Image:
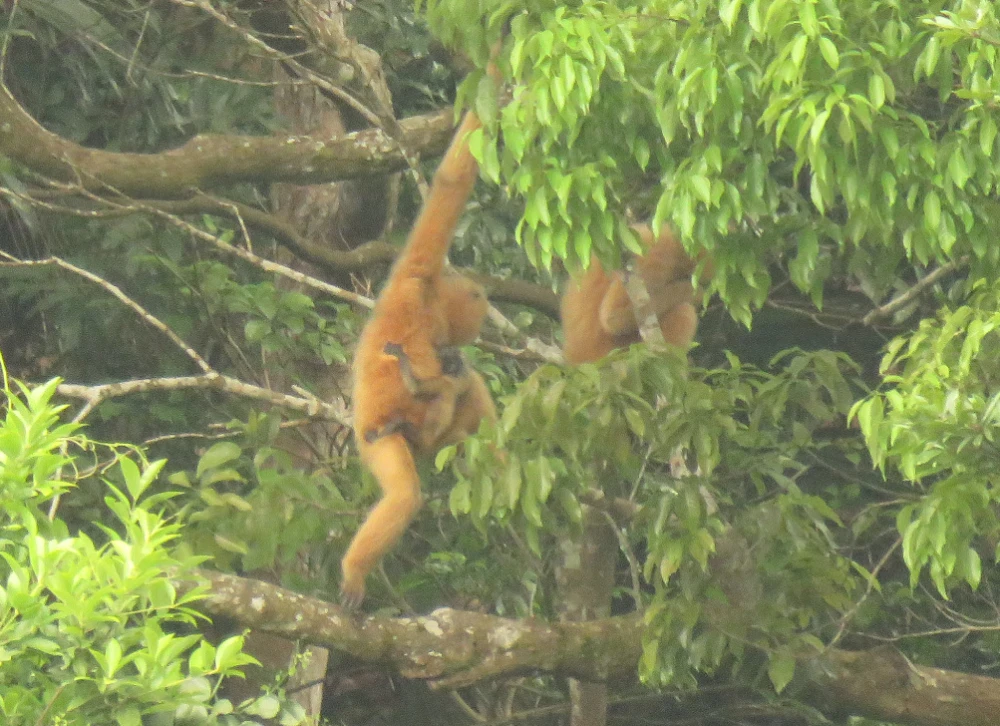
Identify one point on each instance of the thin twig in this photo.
(94, 395)
(151, 319)
(907, 297)
(257, 261)
(868, 591)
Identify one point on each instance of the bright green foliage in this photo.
(570, 435)
(935, 423)
(856, 126)
(92, 630)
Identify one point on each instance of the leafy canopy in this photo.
(757, 128)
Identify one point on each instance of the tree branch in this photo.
(94, 395)
(450, 648)
(910, 295)
(209, 160)
(453, 648)
(116, 292)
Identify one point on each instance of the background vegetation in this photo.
(199, 201)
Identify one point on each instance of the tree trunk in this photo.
(585, 580)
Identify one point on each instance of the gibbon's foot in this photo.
(397, 425)
(450, 356)
(352, 591)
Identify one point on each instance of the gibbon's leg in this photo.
(672, 303)
(679, 324)
(390, 460)
(585, 339)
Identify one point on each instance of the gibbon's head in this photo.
(465, 306)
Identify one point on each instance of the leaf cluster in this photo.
(746, 519)
(92, 630)
(758, 128)
(934, 424)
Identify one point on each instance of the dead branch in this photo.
(94, 395)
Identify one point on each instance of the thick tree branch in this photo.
(449, 647)
(452, 648)
(882, 684)
(210, 160)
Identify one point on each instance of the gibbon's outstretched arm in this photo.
(450, 189)
(420, 310)
(597, 313)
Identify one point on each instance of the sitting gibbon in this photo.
(597, 313)
(421, 311)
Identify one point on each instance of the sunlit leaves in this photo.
(936, 424)
(814, 112)
(90, 623)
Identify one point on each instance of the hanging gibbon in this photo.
(422, 310)
(597, 313)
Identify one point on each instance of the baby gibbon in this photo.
(420, 311)
(597, 313)
(442, 395)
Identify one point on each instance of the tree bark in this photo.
(585, 581)
(209, 160)
(452, 648)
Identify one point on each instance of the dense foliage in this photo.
(778, 495)
(93, 629)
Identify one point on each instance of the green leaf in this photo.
(570, 504)
(218, 454)
(932, 211)
(112, 657)
(987, 134)
(830, 53)
(230, 545)
(807, 18)
(512, 482)
(131, 475)
(958, 169)
(128, 716)
(265, 707)
(460, 498)
(729, 10)
(780, 669)
(229, 653)
(876, 90)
